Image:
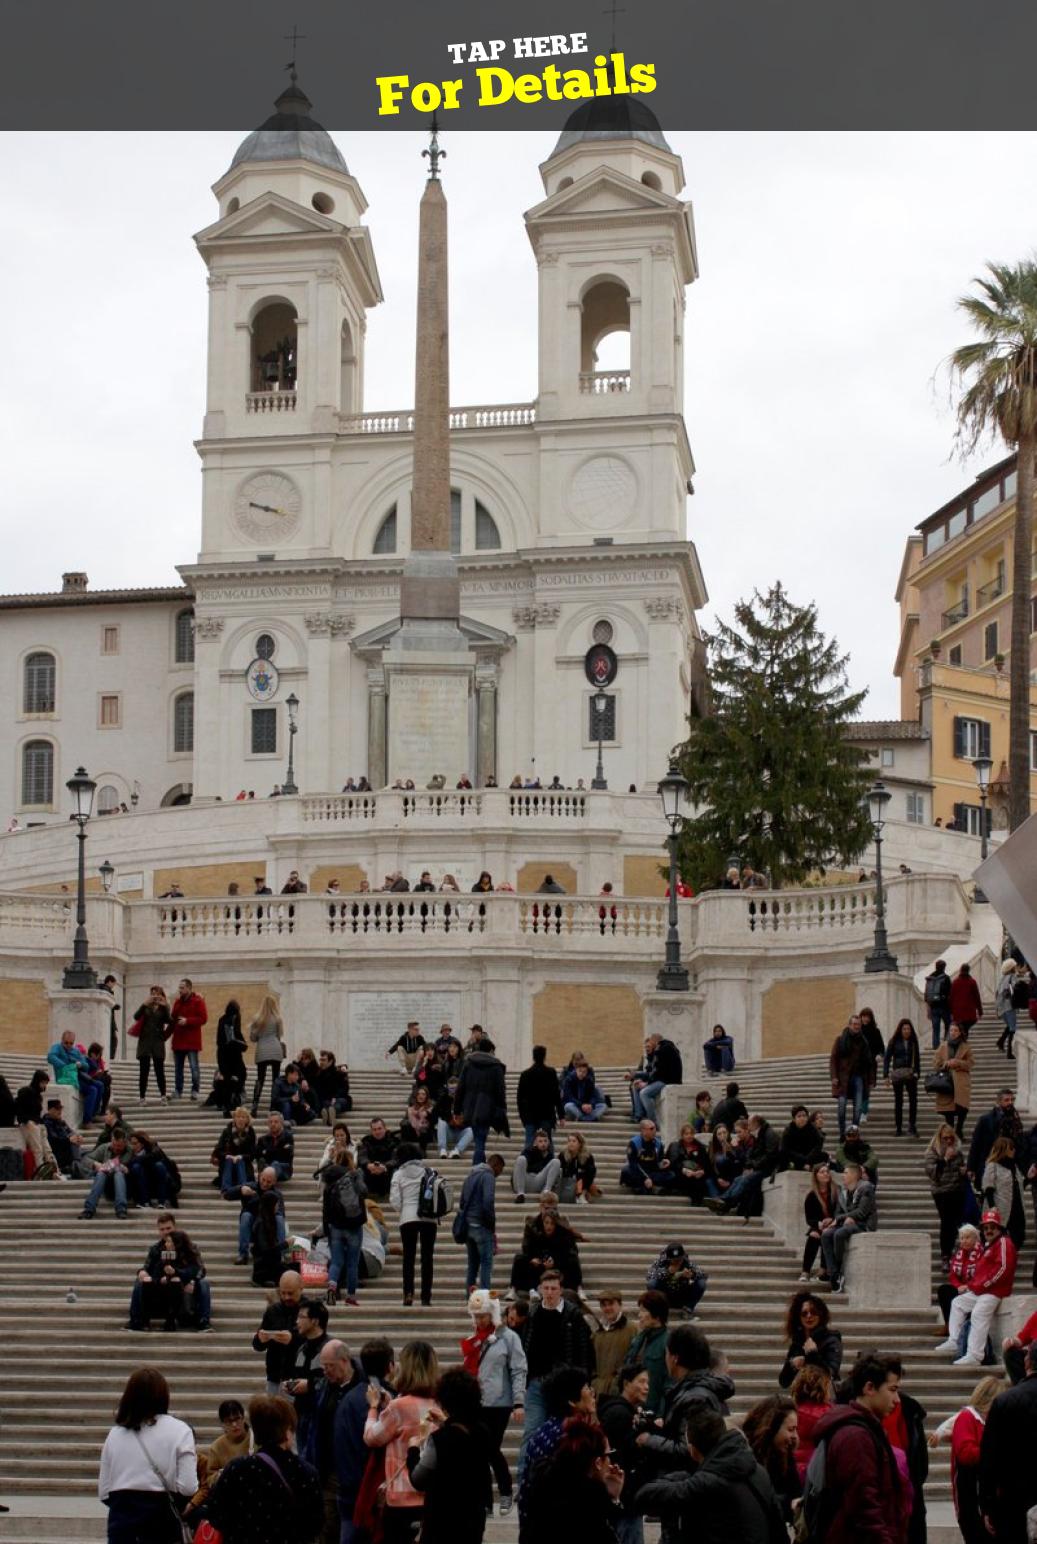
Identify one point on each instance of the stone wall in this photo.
(24, 1016)
(532, 875)
(349, 876)
(605, 1022)
(205, 880)
(641, 874)
(804, 1015)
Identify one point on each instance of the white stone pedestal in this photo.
(783, 1206)
(892, 997)
(86, 1014)
(875, 1261)
(677, 1016)
(428, 733)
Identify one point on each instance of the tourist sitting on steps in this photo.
(332, 1088)
(581, 1098)
(578, 1181)
(111, 1172)
(647, 1168)
(746, 1192)
(417, 1125)
(991, 1284)
(275, 1149)
(535, 1168)
(856, 1212)
(678, 1278)
(730, 1108)
(855, 1148)
(249, 1198)
(66, 1144)
(376, 1157)
(800, 1142)
(811, 1340)
(290, 1100)
(154, 1178)
(171, 1285)
(234, 1155)
(547, 1245)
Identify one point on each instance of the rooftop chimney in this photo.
(74, 584)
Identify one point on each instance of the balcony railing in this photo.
(270, 401)
(956, 614)
(988, 592)
(600, 383)
(505, 415)
(517, 804)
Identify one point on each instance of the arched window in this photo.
(385, 541)
(265, 646)
(605, 315)
(275, 348)
(487, 536)
(183, 722)
(184, 653)
(38, 772)
(107, 800)
(40, 684)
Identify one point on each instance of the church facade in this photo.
(567, 514)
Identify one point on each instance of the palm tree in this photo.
(998, 374)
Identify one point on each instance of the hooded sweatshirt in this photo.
(728, 1497)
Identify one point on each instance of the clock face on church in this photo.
(267, 507)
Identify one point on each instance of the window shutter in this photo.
(959, 738)
(984, 738)
(961, 819)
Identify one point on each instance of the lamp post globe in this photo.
(673, 976)
(601, 702)
(880, 959)
(107, 873)
(78, 975)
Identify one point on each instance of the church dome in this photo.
(611, 117)
(290, 134)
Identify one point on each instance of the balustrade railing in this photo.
(598, 383)
(804, 911)
(270, 401)
(503, 415)
(432, 804)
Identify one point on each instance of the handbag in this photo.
(186, 1533)
(939, 1083)
(134, 1030)
(903, 1075)
(567, 1192)
(459, 1226)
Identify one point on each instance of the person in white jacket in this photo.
(405, 1194)
(494, 1353)
(149, 1468)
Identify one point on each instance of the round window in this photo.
(265, 646)
(602, 632)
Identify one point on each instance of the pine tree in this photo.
(776, 783)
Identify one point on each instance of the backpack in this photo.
(346, 1208)
(817, 1504)
(433, 1197)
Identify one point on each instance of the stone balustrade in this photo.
(501, 415)
(433, 806)
(270, 401)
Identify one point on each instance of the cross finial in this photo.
(293, 37)
(434, 154)
(612, 11)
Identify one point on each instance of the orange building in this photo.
(955, 597)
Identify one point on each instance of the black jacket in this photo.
(1007, 1472)
(539, 1097)
(800, 1146)
(729, 1497)
(617, 1418)
(829, 1354)
(727, 1112)
(665, 1065)
(278, 1358)
(577, 1347)
(481, 1097)
(694, 1391)
(453, 1473)
(995, 1123)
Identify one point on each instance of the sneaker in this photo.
(85, 1213)
(581, 1200)
(443, 1152)
(194, 1098)
(946, 1347)
(968, 1361)
(205, 1328)
(351, 1301)
(241, 1259)
(455, 1153)
(520, 1198)
(506, 1504)
(803, 1276)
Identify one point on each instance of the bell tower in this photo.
(291, 274)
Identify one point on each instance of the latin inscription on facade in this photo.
(376, 1019)
(428, 726)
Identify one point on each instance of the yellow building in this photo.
(955, 597)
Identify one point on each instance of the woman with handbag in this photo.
(148, 1466)
(151, 1028)
(266, 1033)
(578, 1171)
(954, 1057)
(903, 1067)
(273, 1496)
(394, 1424)
(945, 1170)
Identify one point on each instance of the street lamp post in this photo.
(292, 704)
(107, 873)
(79, 976)
(879, 959)
(673, 977)
(601, 703)
(982, 766)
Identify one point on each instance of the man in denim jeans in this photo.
(111, 1164)
(188, 1013)
(852, 1068)
(478, 1203)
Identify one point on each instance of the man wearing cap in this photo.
(978, 1304)
(66, 1144)
(611, 1341)
(679, 1279)
(536, 1168)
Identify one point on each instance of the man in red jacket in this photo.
(863, 1501)
(965, 1001)
(992, 1281)
(188, 1013)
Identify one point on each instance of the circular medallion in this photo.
(603, 493)
(261, 679)
(267, 507)
(600, 665)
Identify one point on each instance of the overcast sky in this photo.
(829, 271)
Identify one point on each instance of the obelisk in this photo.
(429, 667)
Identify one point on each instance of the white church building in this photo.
(568, 513)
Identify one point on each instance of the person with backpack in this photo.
(938, 1001)
(853, 1492)
(421, 1197)
(343, 1215)
(728, 1495)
